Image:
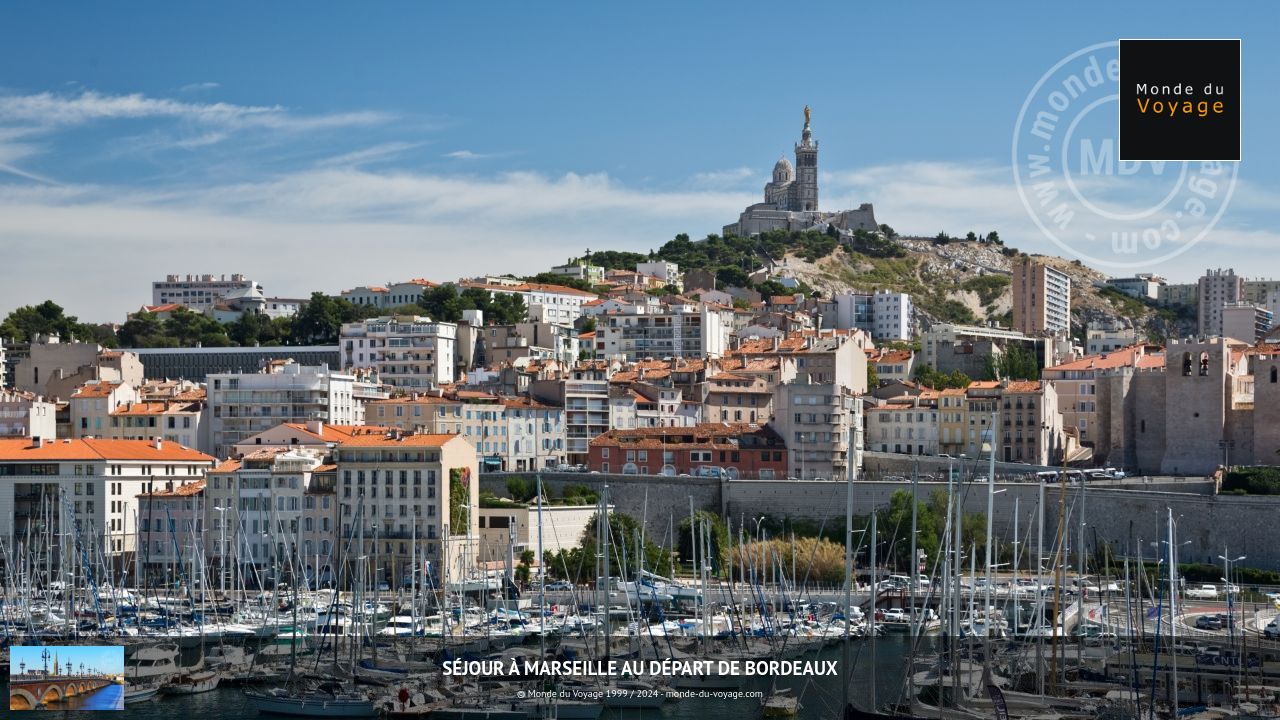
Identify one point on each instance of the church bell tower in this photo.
(806, 183)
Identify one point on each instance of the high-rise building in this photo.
(1041, 298)
(1216, 289)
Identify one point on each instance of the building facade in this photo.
(245, 404)
(1041, 298)
(198, 292)
(1216, 289)
(405, 351)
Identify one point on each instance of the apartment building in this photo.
(170, 533)
(584, 394)
(817, 422)
(907, 424)
(1245, 321)
(242, 405)
(391, 295)
(255, 510)
(1030, 427)
(737, 398)
(393, 487)
(734, 450)
(67, 491)
(1215, 290)
(1041, 298)
(819, 356)
(508, 433)
(690, 330)
(24, 414)
(405, 351)
(55, 369)
(198, 292)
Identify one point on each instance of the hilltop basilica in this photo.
(791, 198)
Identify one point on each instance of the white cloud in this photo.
(198, 87)
(365, 156)
(50, 110)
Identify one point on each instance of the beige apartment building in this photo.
(1041, 298)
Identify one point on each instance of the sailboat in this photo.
(192, 683)
(328, 700)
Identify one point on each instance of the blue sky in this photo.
(323, 146)
(108, 660)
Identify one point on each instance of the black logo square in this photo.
(1180, 100)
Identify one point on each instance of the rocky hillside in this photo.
(968, 282)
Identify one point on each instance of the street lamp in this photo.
(222, 550)
(1226, 570)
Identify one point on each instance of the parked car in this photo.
(1204, 592)
(895, 615)
(1208, 622)
(1272, 630)
(559, 585)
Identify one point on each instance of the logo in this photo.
(1107, 211)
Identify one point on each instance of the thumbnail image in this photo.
(66, 677)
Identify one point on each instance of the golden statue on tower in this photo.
(806, 114)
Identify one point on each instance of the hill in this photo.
(961, 280)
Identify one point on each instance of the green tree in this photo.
(873, 377)
(459, 500)
(894, 526)
(141, 330)
(719, 540)
(189, 328)
(47, 318)
(521, 488)
(320, 321)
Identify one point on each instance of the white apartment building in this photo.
(508, 433)
(1101, 338)
(245, 404)
(198, 292)
(90, 484)
(255, 511)
(891, 313)
(405, 351)
(667, 272)
(584, 395)
(692, 330)
(24, 414)
(388, 296)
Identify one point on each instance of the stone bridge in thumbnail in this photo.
(28, 692)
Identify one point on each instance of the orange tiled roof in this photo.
(1124, 357)
(340, 433)
(227, 466)
(153, 408)
(166, 307)
(397, 440)
(1023, 386)
(98, 449)
(95, 390)
(183, 490)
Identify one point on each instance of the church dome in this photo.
(782, 171)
